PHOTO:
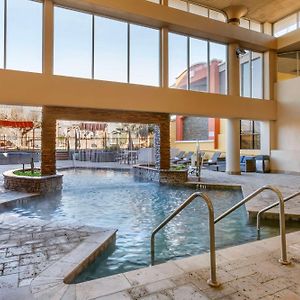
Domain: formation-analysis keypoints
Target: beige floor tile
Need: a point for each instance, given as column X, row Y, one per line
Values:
column 101, row 287
column 153, row 274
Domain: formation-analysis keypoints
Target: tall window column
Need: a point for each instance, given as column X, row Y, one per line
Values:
column 233, row 125
column 164, row 74
column 48, row 37
column 268, row 141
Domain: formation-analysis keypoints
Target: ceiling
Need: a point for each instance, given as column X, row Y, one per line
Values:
column 258, row 10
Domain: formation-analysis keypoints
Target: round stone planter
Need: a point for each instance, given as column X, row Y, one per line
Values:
column 42, row 185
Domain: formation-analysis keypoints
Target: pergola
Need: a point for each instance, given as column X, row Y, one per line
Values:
column 18, row 124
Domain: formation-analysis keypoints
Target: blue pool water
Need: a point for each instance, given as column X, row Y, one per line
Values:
column 117, row 200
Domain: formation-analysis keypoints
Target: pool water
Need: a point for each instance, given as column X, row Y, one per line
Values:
column 114, row 199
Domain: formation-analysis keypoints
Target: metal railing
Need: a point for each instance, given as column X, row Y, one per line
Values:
column 258, row 217
column 213, row 277
column 283, row 260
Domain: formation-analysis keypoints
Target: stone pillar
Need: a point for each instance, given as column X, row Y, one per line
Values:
column 48, row 37
column 48, row 165
column 165, row 144
column 162, row 144
column 233, row 125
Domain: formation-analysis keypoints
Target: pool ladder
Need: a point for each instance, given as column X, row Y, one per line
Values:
column 258, row 216
column 213, row 277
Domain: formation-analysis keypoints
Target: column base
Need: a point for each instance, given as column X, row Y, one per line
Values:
column 233, row 172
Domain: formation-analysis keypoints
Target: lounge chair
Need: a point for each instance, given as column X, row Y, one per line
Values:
column 187, row 159
column 214, row 159
column 178, row 157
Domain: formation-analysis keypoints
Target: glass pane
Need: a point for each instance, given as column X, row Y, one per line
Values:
column 1, row 34
column 245, row 73
column 144, row 55
column 198, row 10
column 257, row 75
column 285, row 25
column 179, row 4
column 178, row 77
column 255, row 26
column 244, row 23
column 287, row 66
column 246, row 134
column 72, row 43
column 216, row 15
column 198, row 65
column 110, row 50
column 24, row 37
column 218, row 68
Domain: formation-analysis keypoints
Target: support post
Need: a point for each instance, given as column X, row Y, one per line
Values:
column 48, row 37
column 48, row 165
column 233, row 125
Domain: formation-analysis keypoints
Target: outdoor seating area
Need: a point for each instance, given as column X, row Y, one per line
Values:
column 217, row 162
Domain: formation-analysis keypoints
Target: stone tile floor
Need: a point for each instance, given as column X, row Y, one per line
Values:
column 249, row 271
column 28, row 246
column 287, row 184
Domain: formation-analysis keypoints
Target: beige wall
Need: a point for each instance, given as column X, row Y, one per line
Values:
column 286, row 157
column 38, row 89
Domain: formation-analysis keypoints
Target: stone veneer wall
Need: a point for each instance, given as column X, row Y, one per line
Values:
column 162, row 176
column 41, row 185
column 51, row 114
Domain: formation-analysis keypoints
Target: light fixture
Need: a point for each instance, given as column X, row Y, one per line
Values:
column 240, row 52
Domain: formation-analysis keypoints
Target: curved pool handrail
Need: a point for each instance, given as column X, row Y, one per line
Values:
column 283, row 260
column 258, row 217
column 213, row 277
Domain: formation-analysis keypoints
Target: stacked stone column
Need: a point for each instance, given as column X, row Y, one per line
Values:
column 48, row 165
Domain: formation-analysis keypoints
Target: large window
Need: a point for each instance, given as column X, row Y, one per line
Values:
column 251, row 73
column 250, row 134
column 144, row 55
column 111, row 47
column 89, row 46
column 24, row 35
column 285, row 25
column 1, row 34
column 72, row 43
column 249, row 24
column 178, row 61
column 189, row 68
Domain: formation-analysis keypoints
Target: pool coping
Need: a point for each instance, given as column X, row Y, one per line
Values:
column 52, row 282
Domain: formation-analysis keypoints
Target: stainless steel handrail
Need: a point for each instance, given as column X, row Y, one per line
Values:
column 283, row 258
column 258, row 217
column 213, row 277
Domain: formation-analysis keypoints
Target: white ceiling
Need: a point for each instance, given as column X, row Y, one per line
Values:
column 259, row 10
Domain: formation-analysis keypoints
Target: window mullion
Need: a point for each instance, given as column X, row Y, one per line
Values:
column 5, row 35
column 128, row 53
